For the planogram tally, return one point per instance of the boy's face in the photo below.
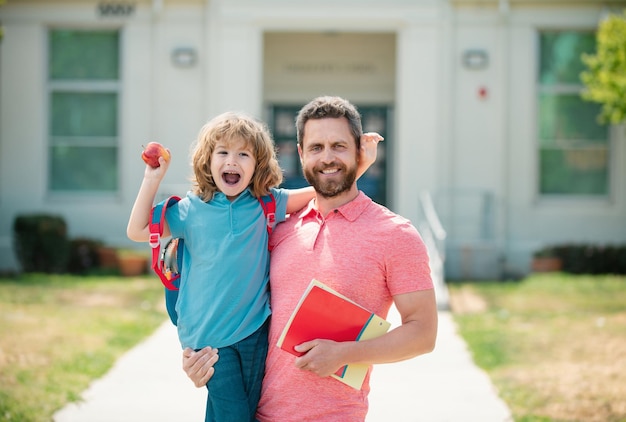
(232, 167)
(329, 156)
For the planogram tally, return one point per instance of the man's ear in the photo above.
(300, 153)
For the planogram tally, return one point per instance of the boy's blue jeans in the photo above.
(235, 388)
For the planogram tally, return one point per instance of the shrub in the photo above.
(83, 255)
(41, 243)
(592, 259)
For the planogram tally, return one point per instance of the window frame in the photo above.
(109, 86)
(566, 89)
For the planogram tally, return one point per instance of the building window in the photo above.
(83, 80)
(573, 147)
(373, 119)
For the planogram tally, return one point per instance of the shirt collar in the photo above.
(219, 196)
(350, 211)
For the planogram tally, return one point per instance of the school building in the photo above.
(478, 101)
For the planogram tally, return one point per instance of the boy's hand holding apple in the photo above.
(152, 152)
(157, 158)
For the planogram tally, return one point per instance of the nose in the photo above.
(327, 155)
(231, 160)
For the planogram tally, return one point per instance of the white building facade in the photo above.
(478, 101)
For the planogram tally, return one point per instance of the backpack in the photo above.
(167, 260)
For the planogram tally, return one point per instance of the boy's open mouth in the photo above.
(231, 177)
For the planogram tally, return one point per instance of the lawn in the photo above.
(553, 344)
(58, 333)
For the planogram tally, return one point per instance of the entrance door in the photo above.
(375, 118)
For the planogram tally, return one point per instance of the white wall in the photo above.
(474, 182)
(494, 149)
(164, 102)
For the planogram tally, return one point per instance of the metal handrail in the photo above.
(434, 236)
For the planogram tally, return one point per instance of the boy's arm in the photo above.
(139, 220)
(368, 151)
(298, 198)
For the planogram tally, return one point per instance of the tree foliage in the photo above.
(605, 77)
(1, 30)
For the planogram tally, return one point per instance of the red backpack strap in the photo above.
(268, 203)
(157, 219)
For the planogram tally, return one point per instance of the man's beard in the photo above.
(331, 188)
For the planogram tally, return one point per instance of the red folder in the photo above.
(326, 314)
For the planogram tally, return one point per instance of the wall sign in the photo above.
(115, 9)
(359, 68)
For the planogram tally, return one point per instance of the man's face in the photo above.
(329, 156)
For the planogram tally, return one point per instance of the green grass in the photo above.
(59, 332)
(553, 344)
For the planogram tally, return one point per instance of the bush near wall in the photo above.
(83, 257)
(592, 259)
(41, 243)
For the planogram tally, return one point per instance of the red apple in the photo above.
(152, 152)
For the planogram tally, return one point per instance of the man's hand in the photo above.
(199, 365)
(322, 357)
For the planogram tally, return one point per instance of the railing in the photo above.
(434, 236)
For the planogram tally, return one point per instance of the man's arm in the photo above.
(416, 336)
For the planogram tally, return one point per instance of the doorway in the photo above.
(361, 67)
(373, 118)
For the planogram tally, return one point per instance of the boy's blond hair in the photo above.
(235, 127)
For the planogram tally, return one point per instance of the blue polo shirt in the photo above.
(224, 287)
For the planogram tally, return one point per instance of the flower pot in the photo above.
(546, 264)
(107, 258)
(132, 265)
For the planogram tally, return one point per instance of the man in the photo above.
(360, 249)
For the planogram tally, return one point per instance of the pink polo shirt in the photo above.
(363, 251)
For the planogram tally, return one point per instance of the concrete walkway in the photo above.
(148, 384)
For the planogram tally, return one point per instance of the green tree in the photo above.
(1, 30)
(605, 77)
